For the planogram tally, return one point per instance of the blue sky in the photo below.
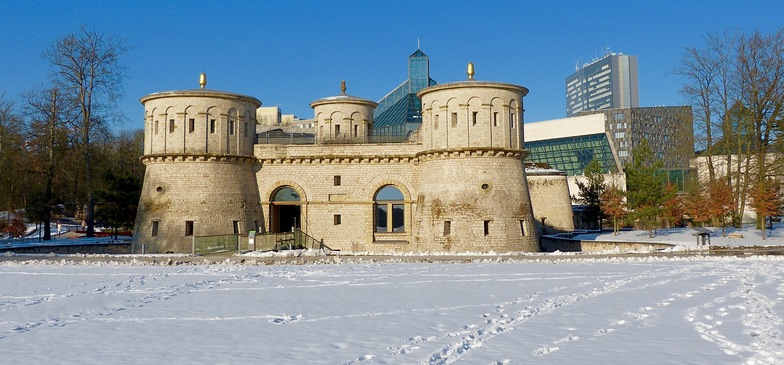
(290, 53)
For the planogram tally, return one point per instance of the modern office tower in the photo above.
(606, 83)
(399, 111)
(669, 131)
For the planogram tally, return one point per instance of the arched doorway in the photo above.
(286, 214)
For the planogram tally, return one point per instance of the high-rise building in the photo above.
(606, 83)
(399, 112)
(668, 130)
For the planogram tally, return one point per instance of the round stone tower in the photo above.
(199, 179)
(343, 118)
(473, 187)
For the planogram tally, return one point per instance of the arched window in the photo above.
(286, 194)
(389, 210)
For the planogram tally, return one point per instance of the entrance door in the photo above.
(285, 218)
(286, 214)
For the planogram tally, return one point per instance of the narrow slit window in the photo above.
(447, 228)
(511, 120)
(487, 228)
(231, 127)
(154, 228)
(454, 119)
(236, 225)
(435, 121)
(191, 125)
(473, 118)
(495, 119)
(245, 130)
(188, 228)
(522, 228)
(171, 125)
(156, 127)
(212, 126)
(356, 130)
(337, 130)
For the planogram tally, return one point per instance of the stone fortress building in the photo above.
(457, 184)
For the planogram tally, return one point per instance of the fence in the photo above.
(296, 240)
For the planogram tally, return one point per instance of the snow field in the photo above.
(617, 311)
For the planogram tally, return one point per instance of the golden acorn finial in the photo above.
(470, 71)
(203, 80)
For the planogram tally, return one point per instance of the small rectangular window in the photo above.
(156, 127)
(191, 125)
(454, 119)
(336, 219)
(487, 228)
(447, 228)
(511, 120)
(337, 130)
(336, 180)
(231, 127)
(522, 228)
(245, 133)
(236, 225)
(171, 125)
(473, 118)
(495, 119)
(188, 228)
(212, 126)
(356, 130)
(154, 228)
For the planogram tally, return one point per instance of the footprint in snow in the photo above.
(286, 319)
(544, 350)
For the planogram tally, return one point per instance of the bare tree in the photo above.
(86, 68)
(736, 85)
(11, 150)
(48, 141)
(761, 71)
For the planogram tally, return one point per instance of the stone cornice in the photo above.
(195, 157)
(472, 152)
(338, 159)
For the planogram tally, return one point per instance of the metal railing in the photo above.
(296, 240)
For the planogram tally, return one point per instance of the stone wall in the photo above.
(211, 192)
(550, 200)
(361, 170)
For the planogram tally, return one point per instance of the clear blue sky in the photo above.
(290, 53)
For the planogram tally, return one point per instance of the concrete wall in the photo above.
(551, 244)
(102, 248)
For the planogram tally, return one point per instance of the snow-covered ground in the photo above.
(645, 310)
(685, 237)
